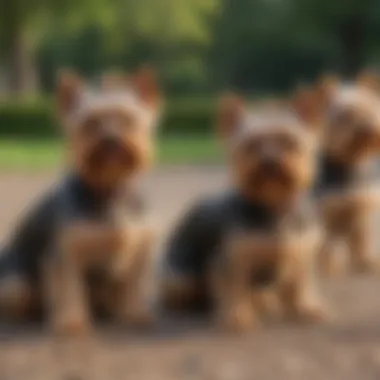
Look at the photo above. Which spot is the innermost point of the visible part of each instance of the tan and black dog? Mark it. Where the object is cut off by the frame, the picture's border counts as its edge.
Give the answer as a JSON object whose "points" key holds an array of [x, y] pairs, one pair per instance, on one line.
{"points": [[264, 233], [87, 245], [347, 187]]}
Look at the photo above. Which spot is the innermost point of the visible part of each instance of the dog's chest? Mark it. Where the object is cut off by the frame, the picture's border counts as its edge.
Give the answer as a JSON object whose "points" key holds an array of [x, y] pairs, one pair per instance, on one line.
{"points": [[253, 217], [342, 181], [335, 176], [124, 212], [119, 210], [263, 238]]}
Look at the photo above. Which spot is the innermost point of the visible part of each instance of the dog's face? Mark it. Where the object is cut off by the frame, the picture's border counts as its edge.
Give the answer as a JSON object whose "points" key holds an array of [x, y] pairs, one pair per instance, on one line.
{"points": [[272, 153], [352, 121], [110, 131]]}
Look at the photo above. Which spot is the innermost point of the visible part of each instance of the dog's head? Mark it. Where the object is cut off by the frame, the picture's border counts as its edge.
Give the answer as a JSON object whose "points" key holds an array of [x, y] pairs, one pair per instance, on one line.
{"points": [[271, 151], [109, 130], [351, 119]]}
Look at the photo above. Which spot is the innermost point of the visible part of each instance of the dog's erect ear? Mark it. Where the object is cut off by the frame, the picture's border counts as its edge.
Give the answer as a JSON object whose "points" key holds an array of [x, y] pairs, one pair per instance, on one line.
{"points": [[311, 102], [308, 105], [326, 88], [369, 79], [230, 112], [68, 92], [144, 81]]}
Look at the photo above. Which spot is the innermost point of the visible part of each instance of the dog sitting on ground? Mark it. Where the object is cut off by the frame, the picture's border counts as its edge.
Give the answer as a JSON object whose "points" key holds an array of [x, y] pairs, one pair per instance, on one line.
{"points": [[347, 188], [87, 245], [262, 235]]}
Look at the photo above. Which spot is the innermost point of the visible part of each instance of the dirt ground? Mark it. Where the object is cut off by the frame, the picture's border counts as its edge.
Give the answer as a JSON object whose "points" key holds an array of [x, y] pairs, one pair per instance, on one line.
{"points": [[346, 348]]}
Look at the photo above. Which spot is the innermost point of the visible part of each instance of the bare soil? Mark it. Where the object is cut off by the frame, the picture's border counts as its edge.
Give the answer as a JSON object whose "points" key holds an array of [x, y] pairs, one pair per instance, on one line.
{"points": [[348, 347]]}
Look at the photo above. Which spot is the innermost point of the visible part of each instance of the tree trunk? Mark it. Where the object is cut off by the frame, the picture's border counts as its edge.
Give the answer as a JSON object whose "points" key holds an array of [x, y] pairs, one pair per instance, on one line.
{"points": [[353, 37], [21, 64]]}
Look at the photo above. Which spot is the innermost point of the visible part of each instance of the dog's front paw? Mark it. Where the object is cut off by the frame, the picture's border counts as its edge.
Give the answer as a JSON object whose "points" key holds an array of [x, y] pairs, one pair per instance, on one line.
{"points": [[140, 318], [333, 268], [16, 298], [72, 326], [313, 314], [238, 320], [365, 266]]}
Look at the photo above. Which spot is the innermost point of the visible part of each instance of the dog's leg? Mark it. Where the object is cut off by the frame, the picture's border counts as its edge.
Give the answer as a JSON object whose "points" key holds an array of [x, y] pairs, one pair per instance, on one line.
{"points": [[298, 290], [66, 297], [181, 293], [233, 303], [301, 299], [266, 302], [132, 277], [360, 244], [231, 290], [17, 298], [329, 258]]}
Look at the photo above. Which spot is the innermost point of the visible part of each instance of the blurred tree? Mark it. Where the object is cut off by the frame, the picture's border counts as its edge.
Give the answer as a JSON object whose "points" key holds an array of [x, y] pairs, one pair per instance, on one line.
{"points": [[351, 23], [23, 23], [16, 43], [172, 34], [261, 46]]}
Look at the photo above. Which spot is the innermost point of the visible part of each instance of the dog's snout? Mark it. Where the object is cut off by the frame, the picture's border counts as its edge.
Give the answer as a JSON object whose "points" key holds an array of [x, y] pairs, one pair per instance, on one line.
{"points": [[110, 143], [270, 165]]}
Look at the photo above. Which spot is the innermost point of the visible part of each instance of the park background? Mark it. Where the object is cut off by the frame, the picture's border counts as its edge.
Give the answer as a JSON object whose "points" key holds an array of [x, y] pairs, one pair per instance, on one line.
{"points": [[199, 47]]}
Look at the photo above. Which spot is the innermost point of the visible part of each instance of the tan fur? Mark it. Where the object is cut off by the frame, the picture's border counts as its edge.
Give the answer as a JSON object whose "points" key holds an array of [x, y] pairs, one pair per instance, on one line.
{"points": [[293, 154], [124, 259], [180, 293], [120, 247], [348, 220], [17, 299], [230, 112], [351, 136], [292, 256], [286, 138]]}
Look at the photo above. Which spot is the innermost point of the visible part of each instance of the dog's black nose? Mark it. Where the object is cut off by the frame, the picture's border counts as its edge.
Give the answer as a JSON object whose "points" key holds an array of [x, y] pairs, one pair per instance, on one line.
{"points": [[264, 276], [270, 165], [110, 143]]}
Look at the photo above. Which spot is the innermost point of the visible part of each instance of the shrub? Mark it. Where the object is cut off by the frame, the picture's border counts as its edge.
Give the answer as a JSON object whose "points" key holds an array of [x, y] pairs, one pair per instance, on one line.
{"points": [[36, 120]]}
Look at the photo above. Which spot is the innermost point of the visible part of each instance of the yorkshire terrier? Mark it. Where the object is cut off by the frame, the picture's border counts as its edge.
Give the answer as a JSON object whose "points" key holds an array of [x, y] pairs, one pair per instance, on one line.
{"points": [[264, 234], [347, 188], [87, 246]]}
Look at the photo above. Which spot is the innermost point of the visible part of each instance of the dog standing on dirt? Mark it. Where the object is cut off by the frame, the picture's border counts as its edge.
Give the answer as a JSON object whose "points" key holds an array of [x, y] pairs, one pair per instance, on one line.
{"points": [[264, 234], [347, 188], [87, 245]]}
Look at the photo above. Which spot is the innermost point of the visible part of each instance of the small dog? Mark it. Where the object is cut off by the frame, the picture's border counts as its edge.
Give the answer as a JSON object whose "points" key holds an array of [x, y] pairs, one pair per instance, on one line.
{"points": [[87, 245], [262, 235], [347, 188]]}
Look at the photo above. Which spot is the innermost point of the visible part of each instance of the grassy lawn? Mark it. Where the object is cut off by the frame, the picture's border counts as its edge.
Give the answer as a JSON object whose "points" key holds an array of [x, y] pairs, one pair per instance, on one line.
{"points": [[18, 154]]}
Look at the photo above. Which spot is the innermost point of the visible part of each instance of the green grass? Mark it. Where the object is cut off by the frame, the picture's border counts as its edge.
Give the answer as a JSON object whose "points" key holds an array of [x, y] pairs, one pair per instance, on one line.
{"points": [[188, 150], [16, 154]]}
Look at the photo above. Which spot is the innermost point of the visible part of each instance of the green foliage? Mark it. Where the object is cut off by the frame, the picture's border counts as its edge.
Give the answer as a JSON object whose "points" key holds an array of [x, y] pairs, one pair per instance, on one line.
{"points": [[27, 120], [188, 117], [198, 46], [36, 120], [29, 155]]}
